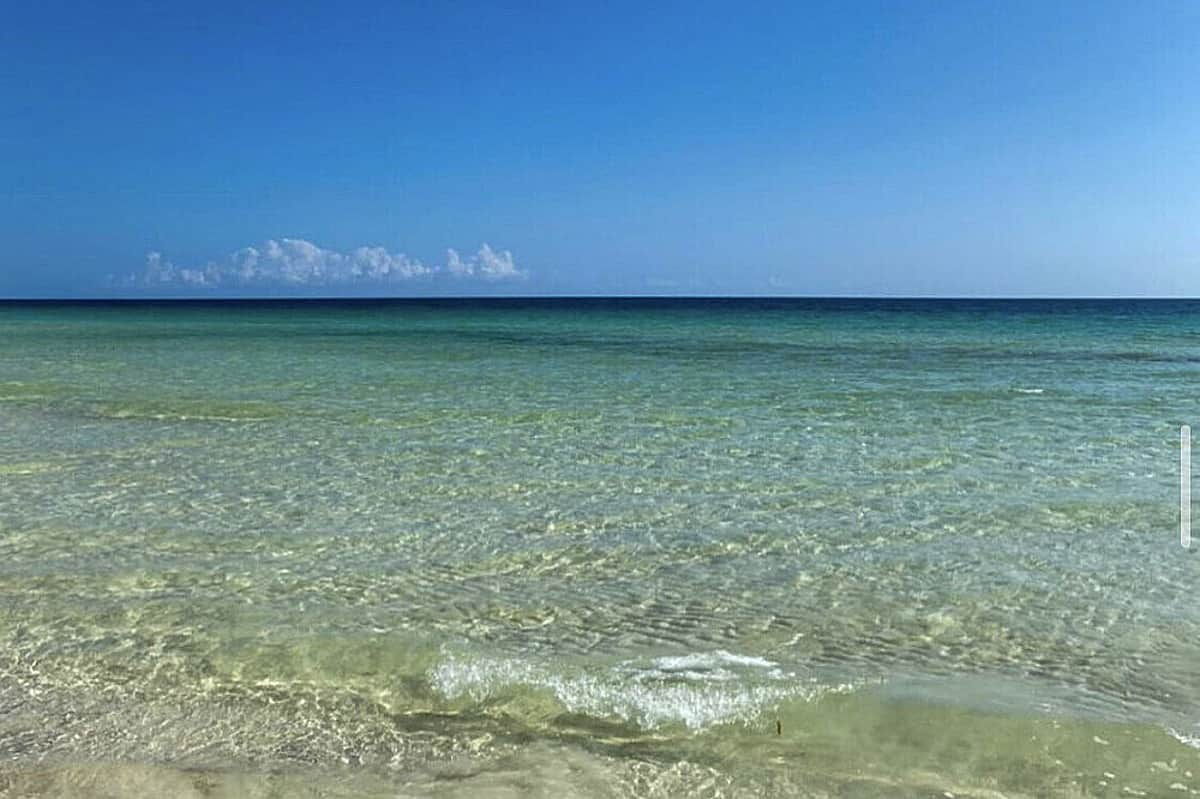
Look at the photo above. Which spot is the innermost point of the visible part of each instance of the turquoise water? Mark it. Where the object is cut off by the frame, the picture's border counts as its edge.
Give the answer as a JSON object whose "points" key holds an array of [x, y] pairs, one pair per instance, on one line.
{"points": [[597, 548]]}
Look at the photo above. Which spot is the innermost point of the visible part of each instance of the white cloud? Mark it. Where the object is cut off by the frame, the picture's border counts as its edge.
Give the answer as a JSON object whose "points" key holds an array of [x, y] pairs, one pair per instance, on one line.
{"points": [[487, 264], [299, 263]]}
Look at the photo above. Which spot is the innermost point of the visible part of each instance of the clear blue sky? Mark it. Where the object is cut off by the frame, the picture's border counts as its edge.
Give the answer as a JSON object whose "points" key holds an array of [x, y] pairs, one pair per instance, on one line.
{"points": [[971, 148]]}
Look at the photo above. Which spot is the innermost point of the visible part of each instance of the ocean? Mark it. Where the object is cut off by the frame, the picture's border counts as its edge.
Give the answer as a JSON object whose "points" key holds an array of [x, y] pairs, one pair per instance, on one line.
{"points": [[598, 547]]}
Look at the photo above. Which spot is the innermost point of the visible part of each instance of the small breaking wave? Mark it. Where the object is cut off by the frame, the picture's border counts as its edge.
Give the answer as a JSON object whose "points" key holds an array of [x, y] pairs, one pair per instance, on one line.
{"points": [[697, 690], [1184, 738]]}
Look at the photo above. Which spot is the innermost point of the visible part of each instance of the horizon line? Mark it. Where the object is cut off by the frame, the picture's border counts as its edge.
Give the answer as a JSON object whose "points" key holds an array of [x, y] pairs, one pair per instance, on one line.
{"points": [[429, 297]]}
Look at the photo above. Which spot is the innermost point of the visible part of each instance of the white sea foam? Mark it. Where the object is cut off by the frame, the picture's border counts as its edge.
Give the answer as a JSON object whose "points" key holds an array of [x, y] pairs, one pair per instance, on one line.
{"points": [[717, 666], [697, 690], [1192, 740], [1030, 390]]}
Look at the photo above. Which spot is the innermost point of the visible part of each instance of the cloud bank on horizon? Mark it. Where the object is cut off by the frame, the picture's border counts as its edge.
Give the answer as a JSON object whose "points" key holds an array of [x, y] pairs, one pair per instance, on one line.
{"points": [[298, 264]]}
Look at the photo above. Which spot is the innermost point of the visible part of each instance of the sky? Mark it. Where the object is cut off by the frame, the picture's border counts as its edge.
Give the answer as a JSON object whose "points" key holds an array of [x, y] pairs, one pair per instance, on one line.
{"points": [[444, 148]]}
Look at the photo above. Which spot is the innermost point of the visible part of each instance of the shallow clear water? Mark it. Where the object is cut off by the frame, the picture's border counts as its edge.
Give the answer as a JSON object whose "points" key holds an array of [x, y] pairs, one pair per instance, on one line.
{"points": [[597, 548]]}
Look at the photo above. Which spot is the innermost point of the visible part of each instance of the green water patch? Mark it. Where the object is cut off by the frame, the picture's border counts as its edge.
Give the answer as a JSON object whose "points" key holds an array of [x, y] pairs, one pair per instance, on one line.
{"points": [[865, 738], [31, 392], [27, 468], [389, 669], [188, 410]]}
